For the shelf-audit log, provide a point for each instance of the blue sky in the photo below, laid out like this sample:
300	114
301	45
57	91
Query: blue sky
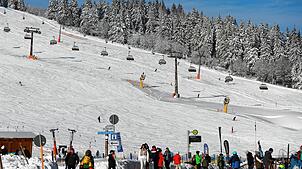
286	13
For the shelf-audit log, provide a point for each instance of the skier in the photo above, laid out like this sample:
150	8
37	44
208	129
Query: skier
72	159
268	159
220	161
154	157
177	161
141	80
168	158
160	158
250	160
143	156
111	160
198	160
87	161
258	161
20	83
234	161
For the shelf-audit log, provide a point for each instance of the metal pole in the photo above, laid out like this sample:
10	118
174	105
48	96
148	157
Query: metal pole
71	139
176	78
106	144
31	44
219	129
1	165
198	74
54	144
188	135
255	137
59	39
41	151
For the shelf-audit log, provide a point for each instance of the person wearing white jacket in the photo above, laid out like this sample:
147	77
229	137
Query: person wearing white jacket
143	156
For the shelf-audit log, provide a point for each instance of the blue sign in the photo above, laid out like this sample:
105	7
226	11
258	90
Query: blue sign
120	148
115	136
105	132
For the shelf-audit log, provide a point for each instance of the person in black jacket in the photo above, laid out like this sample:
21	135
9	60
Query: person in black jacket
154	157
268	159
72	159
250	160
111	160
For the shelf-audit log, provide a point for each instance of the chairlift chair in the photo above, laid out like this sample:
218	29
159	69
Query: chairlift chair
191	68
6	28
130	57
228	79
104	52
53	41
27	36
162	61
263	87
75	47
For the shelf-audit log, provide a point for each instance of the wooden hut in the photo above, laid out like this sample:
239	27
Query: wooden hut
12	141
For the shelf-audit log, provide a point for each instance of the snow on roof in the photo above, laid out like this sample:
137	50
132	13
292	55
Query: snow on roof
10	134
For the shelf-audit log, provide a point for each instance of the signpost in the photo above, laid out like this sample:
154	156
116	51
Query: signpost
192	139
115	138
40	141
113	119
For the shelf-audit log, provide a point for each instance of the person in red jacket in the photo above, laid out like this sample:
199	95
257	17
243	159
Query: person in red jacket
177	161
160	159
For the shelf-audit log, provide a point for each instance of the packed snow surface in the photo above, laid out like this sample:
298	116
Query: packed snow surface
70	89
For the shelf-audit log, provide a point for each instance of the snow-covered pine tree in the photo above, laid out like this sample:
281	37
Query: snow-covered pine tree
89	19
75	13
64	16
52	9
21	5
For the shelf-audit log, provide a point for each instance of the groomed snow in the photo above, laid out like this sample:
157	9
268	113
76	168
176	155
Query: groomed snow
68	89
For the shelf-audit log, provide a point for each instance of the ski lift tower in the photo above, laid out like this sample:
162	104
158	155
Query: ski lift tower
32	30
174	54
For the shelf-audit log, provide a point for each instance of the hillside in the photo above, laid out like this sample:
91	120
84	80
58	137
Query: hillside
69	89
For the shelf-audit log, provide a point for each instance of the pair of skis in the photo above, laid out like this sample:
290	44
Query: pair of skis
225	144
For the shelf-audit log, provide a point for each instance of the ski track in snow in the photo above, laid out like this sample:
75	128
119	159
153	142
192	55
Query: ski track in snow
68	89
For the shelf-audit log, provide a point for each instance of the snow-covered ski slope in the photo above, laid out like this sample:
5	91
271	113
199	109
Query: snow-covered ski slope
69	89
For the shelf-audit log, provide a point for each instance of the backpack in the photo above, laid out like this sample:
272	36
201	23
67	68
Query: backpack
86	162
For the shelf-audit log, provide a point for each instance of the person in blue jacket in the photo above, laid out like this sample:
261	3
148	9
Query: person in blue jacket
234	161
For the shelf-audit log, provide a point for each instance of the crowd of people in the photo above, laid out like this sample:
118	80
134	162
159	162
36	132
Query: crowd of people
157	158
259	160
